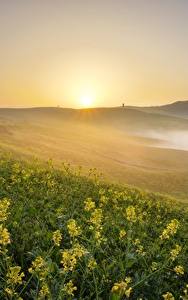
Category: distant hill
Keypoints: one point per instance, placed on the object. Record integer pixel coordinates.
(179, 109)
(129, 119)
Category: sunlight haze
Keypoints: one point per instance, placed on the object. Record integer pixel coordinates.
(131, 51)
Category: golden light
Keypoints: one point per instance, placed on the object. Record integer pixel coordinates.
(86, 101)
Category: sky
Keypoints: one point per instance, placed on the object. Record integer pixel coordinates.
(74, 53)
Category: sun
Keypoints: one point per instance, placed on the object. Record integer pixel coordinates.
(86, 101)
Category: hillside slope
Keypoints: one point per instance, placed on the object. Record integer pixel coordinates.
(120, 143)
(74, 235)
(177, 109)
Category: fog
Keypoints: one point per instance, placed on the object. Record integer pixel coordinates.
(167, 139)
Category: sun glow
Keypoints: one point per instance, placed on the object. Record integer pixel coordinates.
(86, 101)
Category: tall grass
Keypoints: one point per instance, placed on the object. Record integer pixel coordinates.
(68, 236)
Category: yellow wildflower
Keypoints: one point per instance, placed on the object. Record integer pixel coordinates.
(170, 230)
(39, 267)
(89, 204)
(175, 252)
(9, 291)
(73, 229)
(37, 264)
(154, 266)
(78, 250)
(185, 291)
(131, 214)
(57, 237)
(96, 217)
(70, 257)
(69, 288)
(14, 275)
(97, 236)
(4, 205)
(92, 264)
(140, 248)
(4, 236)
(68, 260)
(179, 270)
(168, 296)
(44, 291)
(121, 288)
(128, 292)
(122, 234)
(103, 200)
(102, 191)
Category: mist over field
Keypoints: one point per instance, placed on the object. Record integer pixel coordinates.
(128, 145)
(175, 139)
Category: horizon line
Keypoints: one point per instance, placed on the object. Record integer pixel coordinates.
(92, 107)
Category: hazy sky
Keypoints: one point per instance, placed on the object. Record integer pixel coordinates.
(55, 52)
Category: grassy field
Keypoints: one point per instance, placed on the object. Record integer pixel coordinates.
(64, 235)
(103, 138)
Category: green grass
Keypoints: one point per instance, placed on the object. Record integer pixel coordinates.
(44, 199)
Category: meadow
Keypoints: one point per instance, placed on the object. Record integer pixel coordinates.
(68, 235)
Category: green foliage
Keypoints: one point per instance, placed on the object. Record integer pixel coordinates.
(73, 235)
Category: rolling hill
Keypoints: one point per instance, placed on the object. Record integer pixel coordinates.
(127, 145)
(178, 109)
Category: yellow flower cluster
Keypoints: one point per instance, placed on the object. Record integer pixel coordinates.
(102, 192)
(185, 291)
(44, 291)
(78, 250)
(73, 229)
(12, 294)
(170, 230)
(70, 257)
(122, 234)
(122, 288)
(14, 275)
(4, 205)
(4, 236)
(89, 204)
(168, 296)
(96, 217)
(96, 224)
(68, 260)
(9, 292)
(39, 268)
(57, 237)
(179, 270)
(103, 200)
(69, 288)
(92, 264)
(154, 266)
(175, 252)
(131, 214)
(139, 247)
